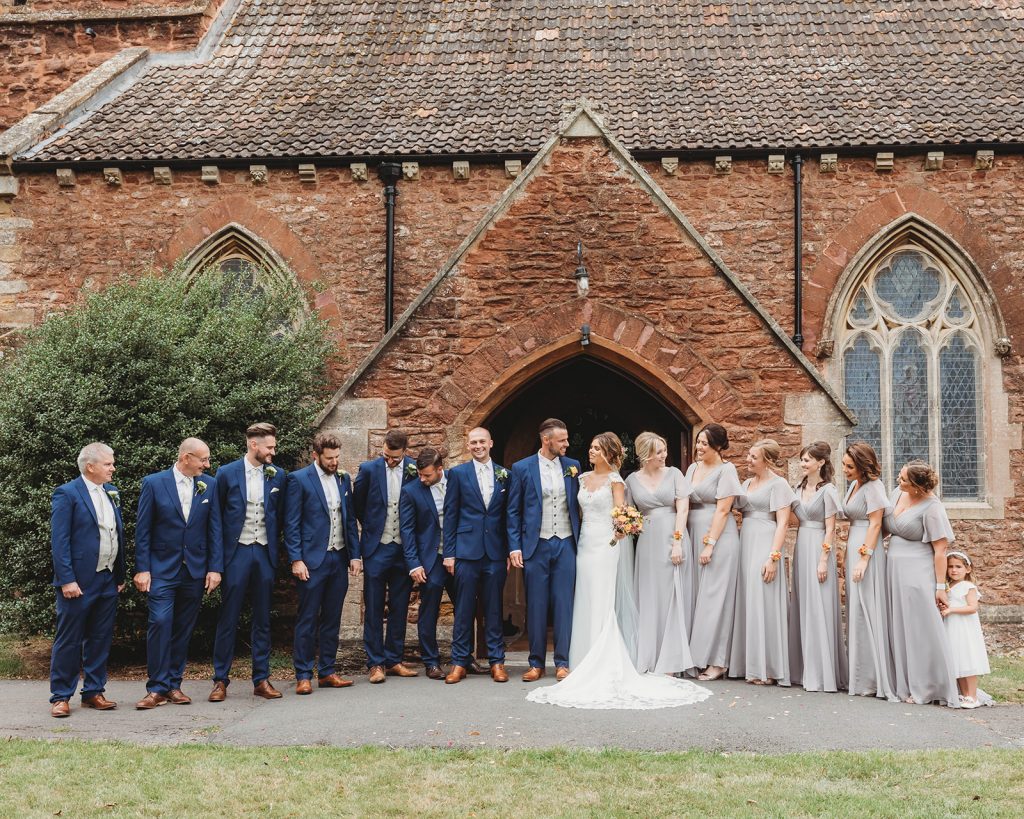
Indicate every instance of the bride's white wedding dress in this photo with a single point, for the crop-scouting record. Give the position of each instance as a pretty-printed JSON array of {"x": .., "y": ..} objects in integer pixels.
[{"x": 602, "y": 650}]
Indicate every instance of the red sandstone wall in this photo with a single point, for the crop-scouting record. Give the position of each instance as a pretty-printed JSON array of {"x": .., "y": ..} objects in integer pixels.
[{"x": 87, "y": 235}]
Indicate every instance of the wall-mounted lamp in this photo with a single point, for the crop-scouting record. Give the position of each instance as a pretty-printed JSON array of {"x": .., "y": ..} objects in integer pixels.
[
  {"x": 585, "y": 335},
  {"x": 582, "y": 276}
]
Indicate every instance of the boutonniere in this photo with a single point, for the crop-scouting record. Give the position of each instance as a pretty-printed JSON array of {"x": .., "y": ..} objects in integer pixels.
[
  {"x": 411, "y": 471},
  {"x": 342, "y": 474},
  {"x": 200, "y": 487},
  {"x": 501, "y": 474},
  {"x": 115, "y": 497},
  {"x": 571, "y": 472},
  {"x": 269, "y": 471}
]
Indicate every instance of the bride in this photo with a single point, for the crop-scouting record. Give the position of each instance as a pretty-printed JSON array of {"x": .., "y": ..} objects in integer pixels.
[{"x": 602, "y": 651}]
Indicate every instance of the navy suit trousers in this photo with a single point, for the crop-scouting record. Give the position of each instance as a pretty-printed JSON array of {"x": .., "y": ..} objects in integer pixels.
[
  {"x": 483, "y": 579},
  {"x": 85, "y": 629},
  {"x": 173, "y": 610},
  {"x": 385, "y": 576},
  {"x": 550, "y": 574},
  {"x": 249, "y": 572},
  {"x": 438, "y": 581},
  {"x": 319, "y": 617}
]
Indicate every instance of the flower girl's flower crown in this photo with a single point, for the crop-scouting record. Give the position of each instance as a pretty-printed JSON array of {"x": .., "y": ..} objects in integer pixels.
[{"x": 962, "y": 555}]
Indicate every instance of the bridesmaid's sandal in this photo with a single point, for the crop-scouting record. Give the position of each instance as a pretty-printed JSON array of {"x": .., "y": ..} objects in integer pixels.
[
  {"x": 704, "y": 676},
  {"x": 761, "y": 682}
]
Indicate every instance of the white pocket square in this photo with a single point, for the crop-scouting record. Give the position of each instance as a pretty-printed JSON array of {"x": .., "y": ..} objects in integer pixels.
[
  {"x": 275, "y": 489},
  {"x": 206, "y": 501}
]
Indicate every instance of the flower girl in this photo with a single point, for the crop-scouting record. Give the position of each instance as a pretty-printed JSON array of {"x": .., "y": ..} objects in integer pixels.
[{"x": 963, "y": 626}]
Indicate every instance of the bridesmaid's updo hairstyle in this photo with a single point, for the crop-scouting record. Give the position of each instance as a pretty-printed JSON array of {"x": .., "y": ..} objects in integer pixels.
[
  {"x": 770, "y": 451},
  {"x": 646, "y": 443},
  {"x": 820, "y": 451},
  {"x": 716, "y": 436},
  {"x": 611, "y": 448},
  {"x": 922, "y": 476},
  {"x": 865, "y": 461}
]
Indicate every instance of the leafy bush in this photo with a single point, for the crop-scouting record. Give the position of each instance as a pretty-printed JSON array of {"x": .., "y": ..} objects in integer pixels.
[{"x": 141, "y": 366}]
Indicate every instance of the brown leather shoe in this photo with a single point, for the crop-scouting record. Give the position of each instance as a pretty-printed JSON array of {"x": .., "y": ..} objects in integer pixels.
[
  {"x": 99, "y": 702},
  {"x": 533, "y": 674},
  {"x": 561, "y": 673},
  {"x": 151, "y": 700},
  {"x": 60, "y": 709},
  {"x": 266, "y": 690},
  {"x": 333, "y": 681},
  {"x": 457, "y": 674},
  {"x": 434, "y": 672},
  {"x": 377, "y": 674},
  {"x": 219, "y": 693},
  {"x": 176, "y": 697},
  {"x": 303, "y": 686},
  {"x": 475, "y": 668},
  {"x": 399, "y": 670},
  {"x": 498, "y": 673}
]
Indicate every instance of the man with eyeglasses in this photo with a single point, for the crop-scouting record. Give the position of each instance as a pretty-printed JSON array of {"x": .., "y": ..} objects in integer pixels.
[{"x": 179, "y": 555}]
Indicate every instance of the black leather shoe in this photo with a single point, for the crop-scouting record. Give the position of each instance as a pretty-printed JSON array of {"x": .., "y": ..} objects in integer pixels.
[{"x": 434, "y": 672}]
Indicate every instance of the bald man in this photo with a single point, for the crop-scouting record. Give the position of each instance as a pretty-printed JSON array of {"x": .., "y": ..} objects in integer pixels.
[{"x": 179, "y": 556}]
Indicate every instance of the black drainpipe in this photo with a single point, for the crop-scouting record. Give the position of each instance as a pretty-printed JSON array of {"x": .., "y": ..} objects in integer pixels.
[
  {"x": 798, "y": 242},
  {"x": 390, "y": 173}
]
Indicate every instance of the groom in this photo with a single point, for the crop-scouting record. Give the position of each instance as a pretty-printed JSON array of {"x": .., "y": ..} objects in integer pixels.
[{"x": 543, "y": 527}]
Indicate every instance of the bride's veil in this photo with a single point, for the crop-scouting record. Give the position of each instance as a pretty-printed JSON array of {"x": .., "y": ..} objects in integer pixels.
[{"x": 625, "y": 598}]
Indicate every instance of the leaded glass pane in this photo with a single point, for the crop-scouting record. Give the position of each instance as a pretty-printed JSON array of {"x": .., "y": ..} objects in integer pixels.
[
  {"x": 908, "y": 286},
  {"x": 958, "y": 376},
  {"x": 862, "y": 313},
  {"x": 909, "y": 401},
  {"x": 862, "y": 390},
  {"x": 958, "y": 311}
]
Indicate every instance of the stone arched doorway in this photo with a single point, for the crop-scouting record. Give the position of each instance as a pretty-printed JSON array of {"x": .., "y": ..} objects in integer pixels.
[{"x": 592, "y": 395}]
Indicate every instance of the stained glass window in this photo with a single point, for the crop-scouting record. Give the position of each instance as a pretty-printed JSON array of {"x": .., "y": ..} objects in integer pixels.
[{"x": 911, "y": 369}]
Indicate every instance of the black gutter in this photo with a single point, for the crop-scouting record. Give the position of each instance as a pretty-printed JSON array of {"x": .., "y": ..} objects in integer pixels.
[
  {"x": 390, "y": 173},
  {"x": 798, "y": 243}
]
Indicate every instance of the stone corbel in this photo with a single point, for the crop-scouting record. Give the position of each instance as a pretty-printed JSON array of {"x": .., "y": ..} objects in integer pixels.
[
  {"x": 359, "y": 173},
  {"x": 113, "y": 177},
  {"x": 65, "y": 177},
  {"x": 258, "y": 174},
  {"x": 670, "y": 164},
  {"x": 410, "y": 171},
  {"x": 307, "y": 173},
  {"x": 723, "y": 164},
  {"x": 934, "y": 160},
  {"x": 824, "y": 348},
  {"x": 1003, "y": 347},
  {"x": 162, "y": 175},
  {"x": 210, "y": 174},
  {"x": 776, "y": 163},
  {"x": 885, "y": 161},
  {"x": 513, "y": 167},
  {"x": 460, "y": 170},
  {"x": 829, "y": 163},
  {"x": 984, "y": 160}
]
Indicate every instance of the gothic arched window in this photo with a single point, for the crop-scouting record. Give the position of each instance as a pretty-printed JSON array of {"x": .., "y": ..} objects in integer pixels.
[
  {"x": 249, "y": 262},
  {"x": 910, "y": 344}
]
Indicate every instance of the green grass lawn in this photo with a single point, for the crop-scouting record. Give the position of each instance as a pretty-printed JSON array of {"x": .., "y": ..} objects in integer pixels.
[{"x": 40, "y": 778}]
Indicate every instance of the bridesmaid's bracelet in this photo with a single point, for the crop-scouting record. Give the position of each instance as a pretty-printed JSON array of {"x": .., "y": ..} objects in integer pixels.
[
  {"x": 677, "y": 535},
  {"x": 709, "y": 541},
  {"x": 826, "y": 547},
  {"x": 940, "y": 587},
  {"x": 776, "y": 556},
  {"x": 864, "y": 551}
]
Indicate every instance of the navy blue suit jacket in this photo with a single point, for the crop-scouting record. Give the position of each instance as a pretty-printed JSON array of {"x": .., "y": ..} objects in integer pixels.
[
  {"x": 307, "y": 522},
  {"x": 421, "y": 527},
  {"x": 164, "y": 539},
  {"x": 525, "y": 499},
  {"x": 471, "y": 530},
  {"x": 231, "y": 492},
  {"x": 370, "y": 498},
  {"x": 75, "y": 535}
]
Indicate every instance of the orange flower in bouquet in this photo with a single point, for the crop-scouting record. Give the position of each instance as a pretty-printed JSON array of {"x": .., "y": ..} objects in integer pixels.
[{"x": 626, "y": 520}]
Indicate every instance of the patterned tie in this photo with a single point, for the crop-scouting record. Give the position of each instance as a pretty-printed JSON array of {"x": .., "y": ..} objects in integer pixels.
[
  {"x": 485, "y": 483},
  {"x": 186, "y": 499}
]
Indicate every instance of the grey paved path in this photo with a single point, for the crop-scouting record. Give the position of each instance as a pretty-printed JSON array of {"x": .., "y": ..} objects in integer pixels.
[{"x": 479, "y": 713}]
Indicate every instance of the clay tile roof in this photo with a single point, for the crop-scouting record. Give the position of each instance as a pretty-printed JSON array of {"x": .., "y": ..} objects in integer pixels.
[{"x": 328, "y": 78}]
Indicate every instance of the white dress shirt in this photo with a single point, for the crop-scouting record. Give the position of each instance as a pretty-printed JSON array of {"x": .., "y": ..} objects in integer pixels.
[
  {"x": 485, "y": 478},
  {"x": 438, "y": 490},
  {"x": 186, "y": 489},
  {"x": 254, "y": 529},
  {"x": 329, "y": 482},
  {"x": 107, "y": 523}
]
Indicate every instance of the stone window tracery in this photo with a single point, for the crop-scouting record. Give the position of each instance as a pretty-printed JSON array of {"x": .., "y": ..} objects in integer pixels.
[{"x": 911, "y": 351}]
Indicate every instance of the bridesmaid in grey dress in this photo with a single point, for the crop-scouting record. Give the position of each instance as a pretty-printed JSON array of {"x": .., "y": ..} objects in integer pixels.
[
  {"x": 713, "y": 532},
  {"x": 867, "y": 613},
  {"x": 664, "y": 586},
  {"x": 916, "y": 573},
  {"x": 760, "y": 633},
  {"x": 817, "y": 651}
]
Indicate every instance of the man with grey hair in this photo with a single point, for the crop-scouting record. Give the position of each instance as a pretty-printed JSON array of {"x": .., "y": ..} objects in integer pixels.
[
  {"x": 87, "y": 543},
  {"x": 179, "y": 554}
]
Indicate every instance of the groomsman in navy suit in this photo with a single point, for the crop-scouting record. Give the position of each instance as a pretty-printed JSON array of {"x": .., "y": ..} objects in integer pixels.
[
  {"x": 377, "y": 491},
  {"x": 87, "y": 542},
  {"x": 476, "y": 553},
  {"x": 543, "y": 529},
  {"x": 251, "y": 495},
  {"x": 179, "y": 555},
  {"x": 322, "y": 542},
  {"x": 421, "y": 513}
]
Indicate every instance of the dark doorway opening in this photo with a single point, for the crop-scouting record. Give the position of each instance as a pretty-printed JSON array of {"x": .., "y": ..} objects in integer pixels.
[{"x": 591, "y": 396}]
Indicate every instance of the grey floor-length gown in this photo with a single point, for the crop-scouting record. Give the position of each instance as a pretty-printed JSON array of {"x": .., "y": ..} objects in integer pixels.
[
  {"x": 921, "y": 655},
  {"x": 664, "y": 593},
  {"x": 867, "y": 611},
  {"x": 817, "y": 650},
  {"x": 715, "y": 602},
  {"x": 760, "y": 632}
]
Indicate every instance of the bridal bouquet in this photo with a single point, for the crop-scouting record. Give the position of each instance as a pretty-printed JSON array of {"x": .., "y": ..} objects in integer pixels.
[{"x": 626, "y": 520}]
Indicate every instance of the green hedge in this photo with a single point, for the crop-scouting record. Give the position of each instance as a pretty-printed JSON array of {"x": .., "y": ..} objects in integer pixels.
[{"x": 140, "y": 366}]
